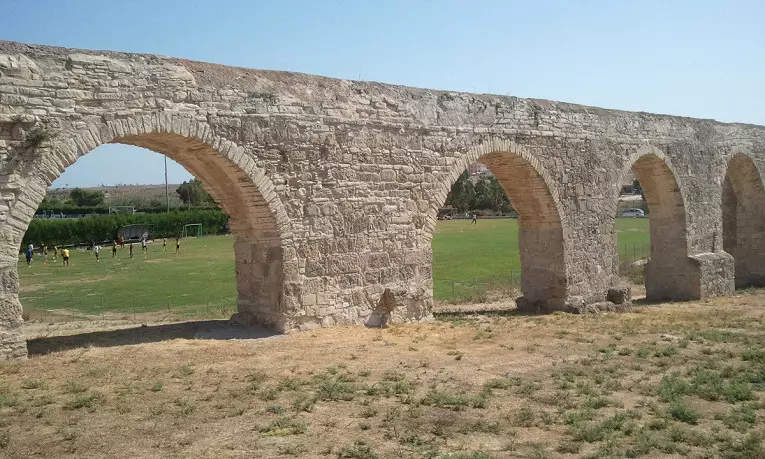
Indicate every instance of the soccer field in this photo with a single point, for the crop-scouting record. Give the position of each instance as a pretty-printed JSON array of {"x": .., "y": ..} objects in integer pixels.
[
  {"x": 200, "y": 281},
  {"x": 464, "y": 254}
]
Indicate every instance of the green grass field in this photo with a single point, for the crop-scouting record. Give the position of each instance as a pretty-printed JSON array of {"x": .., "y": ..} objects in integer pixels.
[
  {"x": 467, "y": 256},
  {"x": 200, "y": 281}
]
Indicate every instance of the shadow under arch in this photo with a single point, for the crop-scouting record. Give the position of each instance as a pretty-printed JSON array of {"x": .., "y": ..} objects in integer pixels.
[
  {"x": 544, "y": 283},
  {"x": 258, "y": 220},
  {"x": 743, "y": 220},
  {"x": 669, "y": 273},
  {"x": 141, "y": 334}
]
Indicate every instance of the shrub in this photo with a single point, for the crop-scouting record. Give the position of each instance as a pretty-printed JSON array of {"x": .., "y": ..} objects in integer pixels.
[
  {"x": 359, "y": 450},
  {"x": 283, "y": 426},
  {"x": 102, "y": 228},
  {"x": 88, "y": 400},
  {"x": 683, "y": 413}
]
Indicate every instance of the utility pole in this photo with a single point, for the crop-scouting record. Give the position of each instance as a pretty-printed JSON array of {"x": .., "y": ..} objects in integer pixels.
[{"x": 167, "y": 196}]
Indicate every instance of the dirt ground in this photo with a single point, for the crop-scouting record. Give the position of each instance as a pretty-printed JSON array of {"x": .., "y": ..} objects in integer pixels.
[{"x": 672, "y": 380}]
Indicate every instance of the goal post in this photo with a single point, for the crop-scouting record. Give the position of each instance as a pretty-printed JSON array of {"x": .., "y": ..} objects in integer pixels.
[{"x": 192, "y": 230}]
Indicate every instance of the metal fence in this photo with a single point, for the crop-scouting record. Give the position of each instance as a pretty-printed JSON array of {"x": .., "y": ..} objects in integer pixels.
[
  {"x": 632, "y": 251},
  {"x": 46, "y": 306},
  {"x": 505, "y": 286},
  {"x": 479, "y": 289}
]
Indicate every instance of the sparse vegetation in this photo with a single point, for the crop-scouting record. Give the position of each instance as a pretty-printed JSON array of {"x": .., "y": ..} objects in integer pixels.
[
  {"x": 682, "y": 379},
  {"x": 37, "y": 136}
]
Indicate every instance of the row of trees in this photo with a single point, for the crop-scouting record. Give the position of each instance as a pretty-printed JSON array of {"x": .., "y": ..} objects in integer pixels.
[
  {"x": 486, "y": 194},
  {"x": 82, "y": 201},
  {"x": 102, "y": 228}
]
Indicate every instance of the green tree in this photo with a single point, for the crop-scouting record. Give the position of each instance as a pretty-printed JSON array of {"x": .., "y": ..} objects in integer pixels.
[
  {"x": 193, "y": 193},
  {"x": 85, "y": 198},
  {"x": 491, "y": 195},
  {"x": 49, "y": 201},
  {"x": 462, "y": 194}
]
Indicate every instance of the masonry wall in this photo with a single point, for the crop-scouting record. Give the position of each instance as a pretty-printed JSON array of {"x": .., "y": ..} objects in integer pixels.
[
  {"x": 335, "y": 184},
  {"x": 743, "y": 207}
]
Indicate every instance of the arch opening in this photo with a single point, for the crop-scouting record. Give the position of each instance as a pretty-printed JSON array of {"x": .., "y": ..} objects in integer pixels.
[
  {"x": 743, "y": 220},
  {"x": 668, "y": 272},
  {"x": 257, "y": 241},
  {"x": 540, "y": 250},
  {"x": 228, "y": 176}
]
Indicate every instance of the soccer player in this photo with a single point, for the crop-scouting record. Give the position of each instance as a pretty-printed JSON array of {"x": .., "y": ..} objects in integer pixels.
[
  {"x": 144, "y": 249},
  {"x": 96, "y": 250},
  {"x": 28, "y": 253},
  {"x": 177, "y": 245},
  {"x": 164, "y": 244},
  {"x": 114, "y": 249},
  {"x": 65, "y": 256}
]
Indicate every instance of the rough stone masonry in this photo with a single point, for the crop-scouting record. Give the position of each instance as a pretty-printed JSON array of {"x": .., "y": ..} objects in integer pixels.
[{"x": 333, "y": 186}]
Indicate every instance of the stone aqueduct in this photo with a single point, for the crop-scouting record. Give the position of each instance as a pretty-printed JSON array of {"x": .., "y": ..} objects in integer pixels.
[{"x": 333, "y": 186}]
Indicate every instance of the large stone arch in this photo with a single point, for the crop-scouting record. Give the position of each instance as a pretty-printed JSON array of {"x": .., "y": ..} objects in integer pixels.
[
  {"x": 259, "y": 221},
  {"x": 541, "y": 223},
  {"x": 743, "y": 219},
  {"x": 669, "y": 273}
]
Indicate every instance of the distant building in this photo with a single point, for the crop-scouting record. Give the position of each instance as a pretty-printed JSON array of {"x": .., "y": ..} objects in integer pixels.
[
  {"x": 627, "y": 182},
  {"x": 629, "y": 178},
  {"x": 477, "y": 171}
]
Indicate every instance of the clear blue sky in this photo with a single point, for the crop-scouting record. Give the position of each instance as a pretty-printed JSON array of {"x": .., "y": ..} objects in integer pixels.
[{"x": 694, "y": 58}]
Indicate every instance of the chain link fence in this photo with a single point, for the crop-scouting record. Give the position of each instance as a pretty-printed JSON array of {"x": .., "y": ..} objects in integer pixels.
[
  {"x": 506, "y": 286},
  {"x": 47, "y": 306},
  {"x": 633, "y": 251},
  {"x": 50, "y": 306},
  {"x": 480, "y": 289}
]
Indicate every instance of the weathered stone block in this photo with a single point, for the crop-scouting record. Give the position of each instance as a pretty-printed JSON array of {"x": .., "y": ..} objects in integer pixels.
[{"x": 619, "y": 295}]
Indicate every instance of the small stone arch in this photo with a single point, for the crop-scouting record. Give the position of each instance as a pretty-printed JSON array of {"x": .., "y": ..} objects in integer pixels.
[
  {"x": 669, "y": 271},
  {"x": 183, "y": 139},
  {"x": 258, "y": 218},
  {"x": 743, "y": 218},
  {"x": 541, "y": 222},
  {"x": 482, "y": 152}
]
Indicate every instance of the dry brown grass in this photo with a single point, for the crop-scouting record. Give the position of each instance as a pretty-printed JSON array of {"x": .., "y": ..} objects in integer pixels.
[{"x": 676, "y": 380}]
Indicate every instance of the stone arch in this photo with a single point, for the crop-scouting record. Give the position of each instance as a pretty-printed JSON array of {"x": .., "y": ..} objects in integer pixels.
[
  {"x": 668, "y": 273},
  {"x": 541, "y": 222},
  {"x": 258, "y": 219},
  {"x": 743, "y": 219}
]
